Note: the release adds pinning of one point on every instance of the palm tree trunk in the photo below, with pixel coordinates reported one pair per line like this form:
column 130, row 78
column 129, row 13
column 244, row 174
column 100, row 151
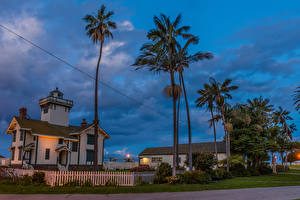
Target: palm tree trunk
column 177, row 127
column 189, row 122
column 174, row 125
column 215, row 135
column 96, row 120
column 227, row 138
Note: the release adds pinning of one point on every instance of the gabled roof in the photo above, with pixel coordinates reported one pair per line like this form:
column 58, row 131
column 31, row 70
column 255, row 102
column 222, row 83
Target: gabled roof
column 208, row 147
column 44, row 128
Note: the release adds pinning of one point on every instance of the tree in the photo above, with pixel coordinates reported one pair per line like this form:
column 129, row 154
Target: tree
column 159, row 53
column 297, row 98
column 207, row 97
column 292, row 157
column 222, row 95
column 203, row 161
column 183, row 60
column 98, row 28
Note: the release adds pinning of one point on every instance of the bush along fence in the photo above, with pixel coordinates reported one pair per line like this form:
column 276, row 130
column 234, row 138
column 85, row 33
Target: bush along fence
column 81, row 178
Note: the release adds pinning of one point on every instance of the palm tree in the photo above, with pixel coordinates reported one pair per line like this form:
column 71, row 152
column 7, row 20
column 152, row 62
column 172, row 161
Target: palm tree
column 98, row 28
column 183, row 59
column 297, row 98
column 222, row 94
column 207, row 97
column 282, row 116
column 159, row 55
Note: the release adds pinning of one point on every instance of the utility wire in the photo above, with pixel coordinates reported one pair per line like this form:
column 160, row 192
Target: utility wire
column 83, row 72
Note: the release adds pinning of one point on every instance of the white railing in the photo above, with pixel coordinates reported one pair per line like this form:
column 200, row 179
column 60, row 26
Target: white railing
column 72, row 178
column 60, row 178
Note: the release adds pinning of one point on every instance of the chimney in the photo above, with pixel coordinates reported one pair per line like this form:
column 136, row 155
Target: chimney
column 23, row 112
column 83, row 123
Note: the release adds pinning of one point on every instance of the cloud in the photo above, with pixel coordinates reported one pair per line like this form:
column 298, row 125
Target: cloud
column 125, row 26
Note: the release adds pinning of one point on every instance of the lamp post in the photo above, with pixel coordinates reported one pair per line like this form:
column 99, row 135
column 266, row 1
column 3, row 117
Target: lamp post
column 274, row 158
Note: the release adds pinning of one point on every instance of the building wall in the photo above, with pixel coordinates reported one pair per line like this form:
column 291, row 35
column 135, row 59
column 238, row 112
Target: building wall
column 16, row 144
column 147, row 160
column 57, row 114
column 84, row 146
column 47, row 143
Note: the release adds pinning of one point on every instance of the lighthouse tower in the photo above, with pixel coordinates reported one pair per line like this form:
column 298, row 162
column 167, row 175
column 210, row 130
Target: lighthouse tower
column 55, row 109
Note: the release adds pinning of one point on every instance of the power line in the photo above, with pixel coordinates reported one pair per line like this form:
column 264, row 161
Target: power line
column 83, row 72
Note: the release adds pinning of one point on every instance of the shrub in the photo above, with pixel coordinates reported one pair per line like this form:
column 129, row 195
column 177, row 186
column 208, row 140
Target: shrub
column 203, row 161
column 162, row 172
column 173, row 179
column 195, row 177
column 142, row 168
column 38, row 177
column 264, row 170
column 110, row 183
column 220, row 174
column 253, row 171
column 25, row 180
column 239, row 170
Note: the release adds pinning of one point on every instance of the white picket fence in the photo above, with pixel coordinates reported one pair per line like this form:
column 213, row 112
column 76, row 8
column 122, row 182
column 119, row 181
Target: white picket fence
column 61, row 178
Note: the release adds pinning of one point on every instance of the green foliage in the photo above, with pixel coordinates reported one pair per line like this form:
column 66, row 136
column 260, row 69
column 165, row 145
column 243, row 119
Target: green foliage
column 173, row 179
column 38, row 177
column 203, row 161
column 25, row 180
column 195, row 177
column 292, row 157
column 162, row 172
column 265, row 170
column 234, row 159
column 239, row 170
column 253, row 171
column 220, row 174
column 111, row 183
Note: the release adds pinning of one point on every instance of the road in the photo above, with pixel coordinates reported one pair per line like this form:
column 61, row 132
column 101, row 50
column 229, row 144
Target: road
column 274, row 193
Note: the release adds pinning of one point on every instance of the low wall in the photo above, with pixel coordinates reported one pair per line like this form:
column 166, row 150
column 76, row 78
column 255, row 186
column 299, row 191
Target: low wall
column 119, row 165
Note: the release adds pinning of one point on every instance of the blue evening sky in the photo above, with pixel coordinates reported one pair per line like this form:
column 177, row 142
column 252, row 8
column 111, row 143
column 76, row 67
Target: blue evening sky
column 255, row 43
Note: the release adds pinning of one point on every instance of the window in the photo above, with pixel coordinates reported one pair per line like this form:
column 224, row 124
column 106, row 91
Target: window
column 90, row 139
column 45, row 109
column 20, row 153
column 179, row 160
column 89, row 157
column 13, row 153
column 60, row 141
column 157, row 159
column 74, row 146
column 21, row 135
column 14, row 136
column 47, row 154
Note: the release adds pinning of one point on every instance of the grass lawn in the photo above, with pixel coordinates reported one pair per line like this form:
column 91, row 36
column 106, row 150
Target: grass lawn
column 295, row 167
column 282, row 179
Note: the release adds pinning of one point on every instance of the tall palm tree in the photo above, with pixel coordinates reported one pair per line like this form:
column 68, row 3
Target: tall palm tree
column 159, row 55
column 282, row 116
column 222, row 95
column 183, row 60
column 98, row 28
column 297, row 98
column 207, row 97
